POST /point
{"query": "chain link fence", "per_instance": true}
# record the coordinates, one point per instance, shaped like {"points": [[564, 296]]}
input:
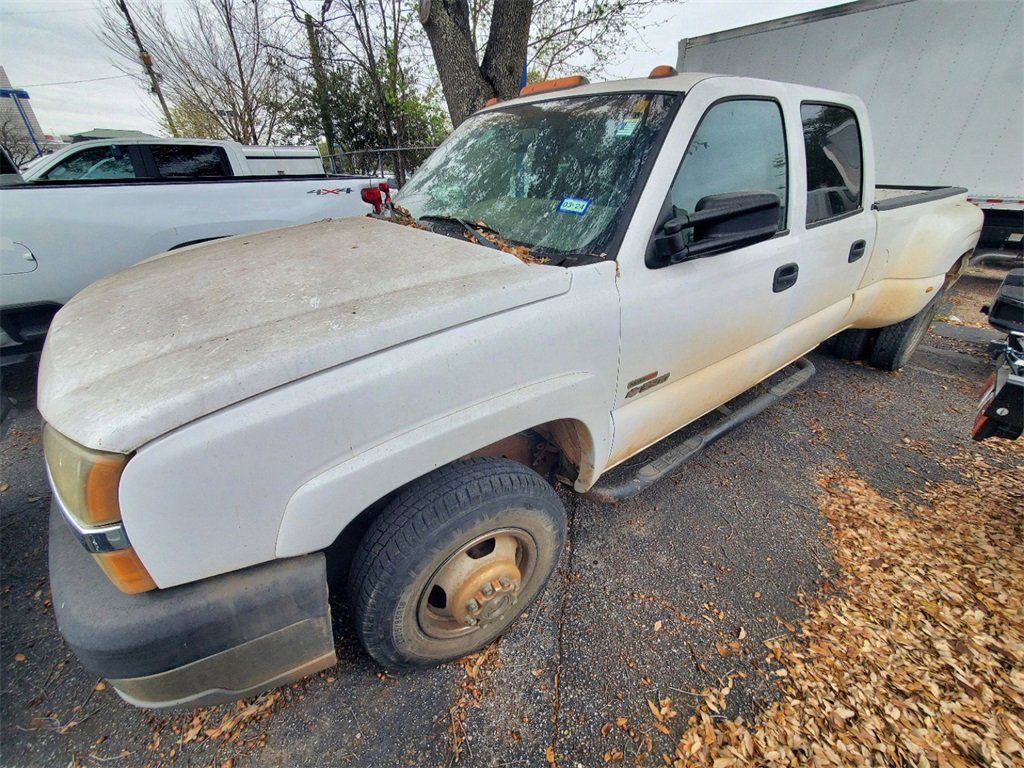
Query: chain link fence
{"points": [[396, 163]]}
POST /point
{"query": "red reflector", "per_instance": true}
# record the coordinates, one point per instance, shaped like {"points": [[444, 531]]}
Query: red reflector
{"points": [[989, 385], [374, 197]]}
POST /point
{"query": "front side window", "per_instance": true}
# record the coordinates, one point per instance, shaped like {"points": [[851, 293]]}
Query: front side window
{"points": [[739, 146], [552, 175], [832, 145], [188, 161], [94, 163]]}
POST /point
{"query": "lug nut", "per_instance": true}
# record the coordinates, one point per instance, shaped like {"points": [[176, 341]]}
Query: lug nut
{"points": [[472, 606], [470, 621], [504, 581], [487, 590]]}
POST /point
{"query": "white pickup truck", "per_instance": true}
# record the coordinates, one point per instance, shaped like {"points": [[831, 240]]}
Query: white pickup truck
{"points": [[98, 207], [573, 275], [155, 158]]}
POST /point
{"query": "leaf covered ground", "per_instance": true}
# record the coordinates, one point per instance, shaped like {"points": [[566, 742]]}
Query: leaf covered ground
{"points": [[918, 657]]}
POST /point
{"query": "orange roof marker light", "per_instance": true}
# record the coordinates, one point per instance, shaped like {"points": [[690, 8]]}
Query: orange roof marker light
{"points": [[491, 101], [558, 84], [662, 70]]}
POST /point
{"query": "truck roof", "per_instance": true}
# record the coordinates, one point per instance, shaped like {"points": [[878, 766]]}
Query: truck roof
{"points": [[674, 84], [279, 151], [679, 83]]}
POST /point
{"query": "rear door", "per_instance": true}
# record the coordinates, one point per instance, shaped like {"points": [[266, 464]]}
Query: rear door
{"points": [[833, 225], [187, 161], [696, 333]]}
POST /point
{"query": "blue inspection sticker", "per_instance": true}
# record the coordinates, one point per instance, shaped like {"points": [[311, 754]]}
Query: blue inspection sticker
{"points": [[577, 206], [627, 127]]}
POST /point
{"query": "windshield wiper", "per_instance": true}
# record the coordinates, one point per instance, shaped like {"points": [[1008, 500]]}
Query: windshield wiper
{"points": [[473, 232]]}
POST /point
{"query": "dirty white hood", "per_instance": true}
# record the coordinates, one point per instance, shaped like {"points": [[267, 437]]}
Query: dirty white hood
{"points": [[147, 350]]}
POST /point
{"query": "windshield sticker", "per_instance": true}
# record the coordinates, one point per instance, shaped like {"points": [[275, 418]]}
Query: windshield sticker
{"points": [[627, 127], [577, 206]]}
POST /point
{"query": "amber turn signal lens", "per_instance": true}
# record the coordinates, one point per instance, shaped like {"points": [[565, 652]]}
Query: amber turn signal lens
{"points": [[662, 70], [101, 503], [124, 568], [553, 85]]}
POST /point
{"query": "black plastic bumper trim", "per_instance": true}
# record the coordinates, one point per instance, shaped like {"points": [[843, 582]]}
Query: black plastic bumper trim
{"points": [[121, 636]]}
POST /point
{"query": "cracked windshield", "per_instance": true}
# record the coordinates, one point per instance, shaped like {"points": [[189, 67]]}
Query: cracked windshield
{"points": [[552, 175]]}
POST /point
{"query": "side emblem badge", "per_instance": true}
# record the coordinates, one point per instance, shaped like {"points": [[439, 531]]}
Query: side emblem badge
{"points": [[648, 381]]}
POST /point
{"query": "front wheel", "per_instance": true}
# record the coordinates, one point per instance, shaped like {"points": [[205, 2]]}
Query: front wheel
{"points": [[453, 560], [895, 344]]}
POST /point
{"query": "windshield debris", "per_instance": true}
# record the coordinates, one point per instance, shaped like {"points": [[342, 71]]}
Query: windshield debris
{"points": [[554, 179], [400, 215]]}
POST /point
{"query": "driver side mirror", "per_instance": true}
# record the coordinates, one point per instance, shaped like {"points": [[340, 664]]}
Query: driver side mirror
{"points": [[720, 223]]}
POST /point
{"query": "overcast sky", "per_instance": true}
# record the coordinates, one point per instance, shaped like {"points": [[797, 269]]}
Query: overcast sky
{"points": [[45, 43]]}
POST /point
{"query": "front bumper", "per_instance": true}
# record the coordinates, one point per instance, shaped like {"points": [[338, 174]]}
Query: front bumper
{"points": [[212, 641]]}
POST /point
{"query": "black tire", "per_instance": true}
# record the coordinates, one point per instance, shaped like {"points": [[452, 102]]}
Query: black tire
{"points": [[851, 344], [895, 344], [417, 535]]}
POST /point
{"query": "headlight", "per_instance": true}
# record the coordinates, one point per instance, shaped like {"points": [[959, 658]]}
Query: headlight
{"points": [[86, 483], [85, 480]]}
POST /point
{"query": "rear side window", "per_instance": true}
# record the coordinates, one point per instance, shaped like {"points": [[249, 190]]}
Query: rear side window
{"points": [[94, 164], [834, 161], [739, 146], [188, 161]]}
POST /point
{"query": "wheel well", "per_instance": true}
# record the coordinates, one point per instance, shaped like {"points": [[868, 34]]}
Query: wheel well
{"points": [[557, 450], [958, 268]]}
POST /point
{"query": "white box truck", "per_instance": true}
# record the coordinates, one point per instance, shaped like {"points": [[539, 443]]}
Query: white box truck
{"points": [[942, 79]]}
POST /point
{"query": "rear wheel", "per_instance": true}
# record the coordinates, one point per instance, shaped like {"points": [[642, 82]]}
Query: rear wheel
{"points": [[895, 344], [453, 560], [851, 344]]}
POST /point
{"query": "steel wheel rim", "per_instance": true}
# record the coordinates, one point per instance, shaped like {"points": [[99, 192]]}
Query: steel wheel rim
{"points": [[462, 576]]}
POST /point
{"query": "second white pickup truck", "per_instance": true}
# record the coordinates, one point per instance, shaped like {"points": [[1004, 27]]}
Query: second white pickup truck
{"points": [[98, 207], [156, 158], [577, 273]]}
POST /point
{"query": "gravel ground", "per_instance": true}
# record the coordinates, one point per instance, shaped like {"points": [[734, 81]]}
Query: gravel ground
{"points": [[646, 600]]}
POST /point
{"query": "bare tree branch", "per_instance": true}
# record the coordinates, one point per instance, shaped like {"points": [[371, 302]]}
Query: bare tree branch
{"points": [[221, 57]]}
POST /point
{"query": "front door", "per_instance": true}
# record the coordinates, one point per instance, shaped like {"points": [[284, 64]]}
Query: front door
{"points": [[697, 333]]}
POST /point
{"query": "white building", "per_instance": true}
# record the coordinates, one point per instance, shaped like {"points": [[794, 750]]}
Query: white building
{"points": [[20, 132]]}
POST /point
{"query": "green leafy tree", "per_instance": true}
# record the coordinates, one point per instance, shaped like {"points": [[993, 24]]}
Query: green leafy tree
{"points": [[359, 81]]}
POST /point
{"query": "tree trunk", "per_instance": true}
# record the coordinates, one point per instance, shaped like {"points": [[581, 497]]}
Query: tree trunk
{"points": [[465, 82], [320, 83], [507, 41]]}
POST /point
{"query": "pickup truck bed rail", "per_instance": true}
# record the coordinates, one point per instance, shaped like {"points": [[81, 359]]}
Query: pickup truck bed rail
{"points": [[888, 197]]}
